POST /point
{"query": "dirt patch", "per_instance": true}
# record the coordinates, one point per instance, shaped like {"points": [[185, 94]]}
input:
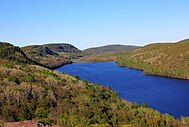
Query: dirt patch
{"points": [[31, 123]]}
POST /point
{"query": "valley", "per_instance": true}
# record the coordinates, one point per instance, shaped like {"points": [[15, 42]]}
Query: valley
{"points": [[31, 90]]}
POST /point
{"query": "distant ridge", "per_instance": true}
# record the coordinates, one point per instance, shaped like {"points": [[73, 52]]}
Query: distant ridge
{"points": [[110, 48]]}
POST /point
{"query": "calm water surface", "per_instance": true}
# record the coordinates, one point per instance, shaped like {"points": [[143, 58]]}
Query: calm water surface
{"points": [[164, 94]]}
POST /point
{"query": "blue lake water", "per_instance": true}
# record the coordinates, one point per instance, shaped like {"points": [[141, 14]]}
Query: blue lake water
{"points": [[167, 95]]}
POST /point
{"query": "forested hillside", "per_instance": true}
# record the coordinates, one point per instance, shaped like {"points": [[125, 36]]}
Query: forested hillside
{"points": [[10, 52], [51, 55], [104, 53], [164, 59], [34, 92], [99, 57], [110, 48]]}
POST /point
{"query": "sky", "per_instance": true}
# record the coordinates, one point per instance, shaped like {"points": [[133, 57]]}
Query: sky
{"points": [[91, 23]]}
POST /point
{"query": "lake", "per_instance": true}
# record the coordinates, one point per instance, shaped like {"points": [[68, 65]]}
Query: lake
{"points": [[166, 95]]}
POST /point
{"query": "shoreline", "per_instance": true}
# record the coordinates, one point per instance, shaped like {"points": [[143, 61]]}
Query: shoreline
{"points": [[144, 73]]}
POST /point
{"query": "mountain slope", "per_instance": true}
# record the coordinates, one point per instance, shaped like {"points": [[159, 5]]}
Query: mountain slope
{"points": [[51, 55], [104, 53], [62, 48], [110, 48], [13, 53], [32, 92], [168, 59]]}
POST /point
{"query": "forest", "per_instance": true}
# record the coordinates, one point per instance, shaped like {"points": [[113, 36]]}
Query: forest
{"points": [[32, 92], [167, 59]]}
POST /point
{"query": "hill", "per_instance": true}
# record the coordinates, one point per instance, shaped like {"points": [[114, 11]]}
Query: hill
{"points": [[13, 53], [104, 53], [51, 55], [99, 57], [62, 48], [110, 48], [164, 59], [33, 92]]}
